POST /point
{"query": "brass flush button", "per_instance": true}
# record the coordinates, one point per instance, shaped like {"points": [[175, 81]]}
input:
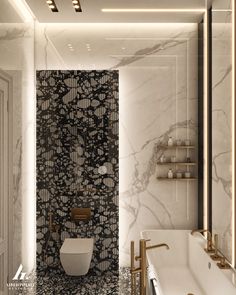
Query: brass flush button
{"points": [[80, 214]]}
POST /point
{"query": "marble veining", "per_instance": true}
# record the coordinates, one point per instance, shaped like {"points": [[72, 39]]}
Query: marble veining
{"points": [[158, 100], [221, 128]]}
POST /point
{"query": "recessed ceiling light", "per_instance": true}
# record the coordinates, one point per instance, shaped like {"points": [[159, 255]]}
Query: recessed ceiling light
{"points": [[150, 10], [52, 5], [76, 5]]}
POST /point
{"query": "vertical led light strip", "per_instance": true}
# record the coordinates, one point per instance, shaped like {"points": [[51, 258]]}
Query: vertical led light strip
{"points": [[206, 123], [22, 9], [233, 137]]}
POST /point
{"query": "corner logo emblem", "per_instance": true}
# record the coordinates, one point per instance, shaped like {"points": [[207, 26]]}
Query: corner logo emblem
{"points": [[21, 280], [20, 275]]}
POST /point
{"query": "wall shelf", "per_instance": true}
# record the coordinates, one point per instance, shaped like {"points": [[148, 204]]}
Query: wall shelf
{"points": [[172, 179], [176, 146], [177, 163]]}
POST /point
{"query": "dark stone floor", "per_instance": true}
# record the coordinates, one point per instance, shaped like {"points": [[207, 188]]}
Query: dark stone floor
{"points": [[87, 285]]}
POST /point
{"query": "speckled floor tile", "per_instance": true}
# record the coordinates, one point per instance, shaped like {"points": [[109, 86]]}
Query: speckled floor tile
{"points": [[87, 285]]}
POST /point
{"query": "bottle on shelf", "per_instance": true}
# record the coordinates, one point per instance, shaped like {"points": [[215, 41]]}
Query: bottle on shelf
{"points": [[178, 174], [170, 173], [162, 159], [170, 141]]}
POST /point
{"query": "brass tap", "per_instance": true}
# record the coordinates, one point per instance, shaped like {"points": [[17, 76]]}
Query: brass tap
{"points": [[133, 270], [209, 248], [158, 246], [216, 255], [223, 264]]}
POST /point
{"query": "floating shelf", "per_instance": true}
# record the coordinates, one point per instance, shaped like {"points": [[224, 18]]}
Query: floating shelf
{"points": [[176, 146], [177, 163], [166, 178]]}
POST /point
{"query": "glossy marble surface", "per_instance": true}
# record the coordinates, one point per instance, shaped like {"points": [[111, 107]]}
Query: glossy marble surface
{"points": [[158, 98], [17, 59], [221, 130]]}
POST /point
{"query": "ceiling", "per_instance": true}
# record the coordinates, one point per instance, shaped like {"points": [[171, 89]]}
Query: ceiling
{"points": [[92, 11], [100, 46], [8, 14]]}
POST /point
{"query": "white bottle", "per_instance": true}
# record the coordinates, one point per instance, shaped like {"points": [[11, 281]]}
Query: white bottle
{"points": [[162, 159], [170, 141], [170, 173]]}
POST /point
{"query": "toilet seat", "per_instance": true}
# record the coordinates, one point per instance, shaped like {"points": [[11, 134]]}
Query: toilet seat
{"points": [[77, 246]]}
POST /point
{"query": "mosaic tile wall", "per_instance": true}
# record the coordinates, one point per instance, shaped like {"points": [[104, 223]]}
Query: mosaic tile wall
{"points": [[77, 164]]}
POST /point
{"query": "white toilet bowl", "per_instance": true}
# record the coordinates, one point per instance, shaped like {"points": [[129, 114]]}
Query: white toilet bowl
{"points": [[76, 255]]}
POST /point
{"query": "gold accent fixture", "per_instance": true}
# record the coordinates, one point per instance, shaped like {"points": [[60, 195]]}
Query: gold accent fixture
{"points": [[209, 248], [132, 269], [80, 214], [223, 264], [142, 269], [158, 246], [216, 255]]}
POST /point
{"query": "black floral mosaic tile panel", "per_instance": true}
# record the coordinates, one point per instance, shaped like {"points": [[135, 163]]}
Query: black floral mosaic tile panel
{"points": [[77, 165]]}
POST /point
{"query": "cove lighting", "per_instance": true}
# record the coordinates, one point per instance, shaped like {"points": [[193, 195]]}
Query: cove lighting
{"points": [[150, 10], [22, 9], [233, 139]]}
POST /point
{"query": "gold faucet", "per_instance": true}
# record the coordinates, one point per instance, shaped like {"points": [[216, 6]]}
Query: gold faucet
{"points": [[216, 255], [223, 264], [142, 269], [209, 248]]}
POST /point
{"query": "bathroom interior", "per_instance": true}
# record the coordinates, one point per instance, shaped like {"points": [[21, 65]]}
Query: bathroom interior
{"points": [[117, 147]]}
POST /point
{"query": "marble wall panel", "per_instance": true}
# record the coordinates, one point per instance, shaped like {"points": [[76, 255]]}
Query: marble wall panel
{"points": [[17, 60], [221, 128], [158, 98]]}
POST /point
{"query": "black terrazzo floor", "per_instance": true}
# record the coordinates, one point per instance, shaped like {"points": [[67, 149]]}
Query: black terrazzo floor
{"points": [[87, 285]]}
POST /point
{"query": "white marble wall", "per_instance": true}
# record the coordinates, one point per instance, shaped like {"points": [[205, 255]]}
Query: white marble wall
{"points": [[17, 59], [158, 98], [221, 130]]}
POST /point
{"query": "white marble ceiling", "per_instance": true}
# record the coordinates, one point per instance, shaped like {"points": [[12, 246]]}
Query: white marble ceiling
{"points": [[92, 11]]}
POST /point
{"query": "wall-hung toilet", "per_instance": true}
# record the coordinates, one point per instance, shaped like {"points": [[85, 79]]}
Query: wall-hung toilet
{"points": [[76, 255]]}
